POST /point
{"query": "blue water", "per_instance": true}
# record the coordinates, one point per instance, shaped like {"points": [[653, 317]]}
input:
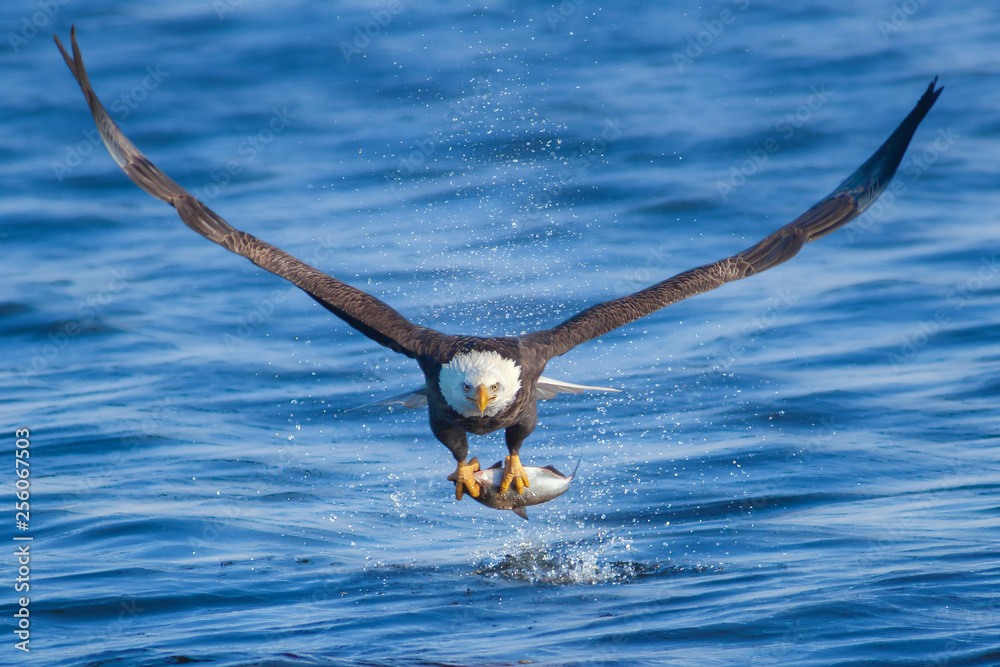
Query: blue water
{"points": [[802, 468]]}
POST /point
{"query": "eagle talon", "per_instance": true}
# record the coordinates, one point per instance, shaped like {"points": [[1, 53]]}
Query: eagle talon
{"points": [[463, 478], [514, 472]]}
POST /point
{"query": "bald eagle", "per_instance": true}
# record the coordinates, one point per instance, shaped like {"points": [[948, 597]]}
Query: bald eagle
{"points": [[480, 385]]}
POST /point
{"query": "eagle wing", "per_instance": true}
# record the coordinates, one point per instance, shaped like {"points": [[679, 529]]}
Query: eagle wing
{"points": [[841, 206], [362, 311]]}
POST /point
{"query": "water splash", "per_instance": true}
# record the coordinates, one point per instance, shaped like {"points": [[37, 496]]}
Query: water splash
{"points": [[565, 562]]}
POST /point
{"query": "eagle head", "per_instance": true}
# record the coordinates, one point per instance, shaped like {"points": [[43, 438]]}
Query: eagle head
{"points": [[480, 384]]}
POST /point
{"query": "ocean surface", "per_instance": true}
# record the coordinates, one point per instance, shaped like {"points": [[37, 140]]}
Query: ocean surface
{"points": [[802, 468]]}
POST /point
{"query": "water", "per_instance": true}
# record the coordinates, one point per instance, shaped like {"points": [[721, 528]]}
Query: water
{"points": [[802, 468]]}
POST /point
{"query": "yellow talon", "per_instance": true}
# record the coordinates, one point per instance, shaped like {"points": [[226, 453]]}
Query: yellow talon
{"points": [[514, 472], [464, 480]]}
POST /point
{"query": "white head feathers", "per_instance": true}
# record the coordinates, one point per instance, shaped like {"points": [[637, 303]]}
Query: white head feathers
{"points": [[478, 384]]}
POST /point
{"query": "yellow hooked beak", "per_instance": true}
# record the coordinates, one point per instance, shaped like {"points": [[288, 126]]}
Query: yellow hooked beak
{"points": [[482, 398]]}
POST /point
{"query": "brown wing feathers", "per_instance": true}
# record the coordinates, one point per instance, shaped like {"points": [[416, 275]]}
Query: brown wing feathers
{"points": [[378, 321], [844, 204], [364, 312]]}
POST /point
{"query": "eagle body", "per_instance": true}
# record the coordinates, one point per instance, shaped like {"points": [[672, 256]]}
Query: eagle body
{"points": [[518, 418], [480, 385]]}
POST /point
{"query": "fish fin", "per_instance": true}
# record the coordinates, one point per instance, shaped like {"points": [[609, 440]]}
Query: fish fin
{"points": [[415, 398], [548, 388], [498, 464], [569, 476], [521, 512]]}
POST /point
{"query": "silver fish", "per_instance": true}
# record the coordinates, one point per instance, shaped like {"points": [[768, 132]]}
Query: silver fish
{"points": [[544, 484]]}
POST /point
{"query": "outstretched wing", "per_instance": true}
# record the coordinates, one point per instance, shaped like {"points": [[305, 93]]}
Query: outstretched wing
{"points": [[844, 204], [545, 388], [362, 311]]}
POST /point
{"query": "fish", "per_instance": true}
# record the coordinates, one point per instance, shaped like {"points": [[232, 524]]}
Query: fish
{"points": [[544, 484]]}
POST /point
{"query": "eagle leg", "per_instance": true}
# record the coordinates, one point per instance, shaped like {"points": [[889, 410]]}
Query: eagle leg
{"points": [[464, 480], [514, 472]]}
